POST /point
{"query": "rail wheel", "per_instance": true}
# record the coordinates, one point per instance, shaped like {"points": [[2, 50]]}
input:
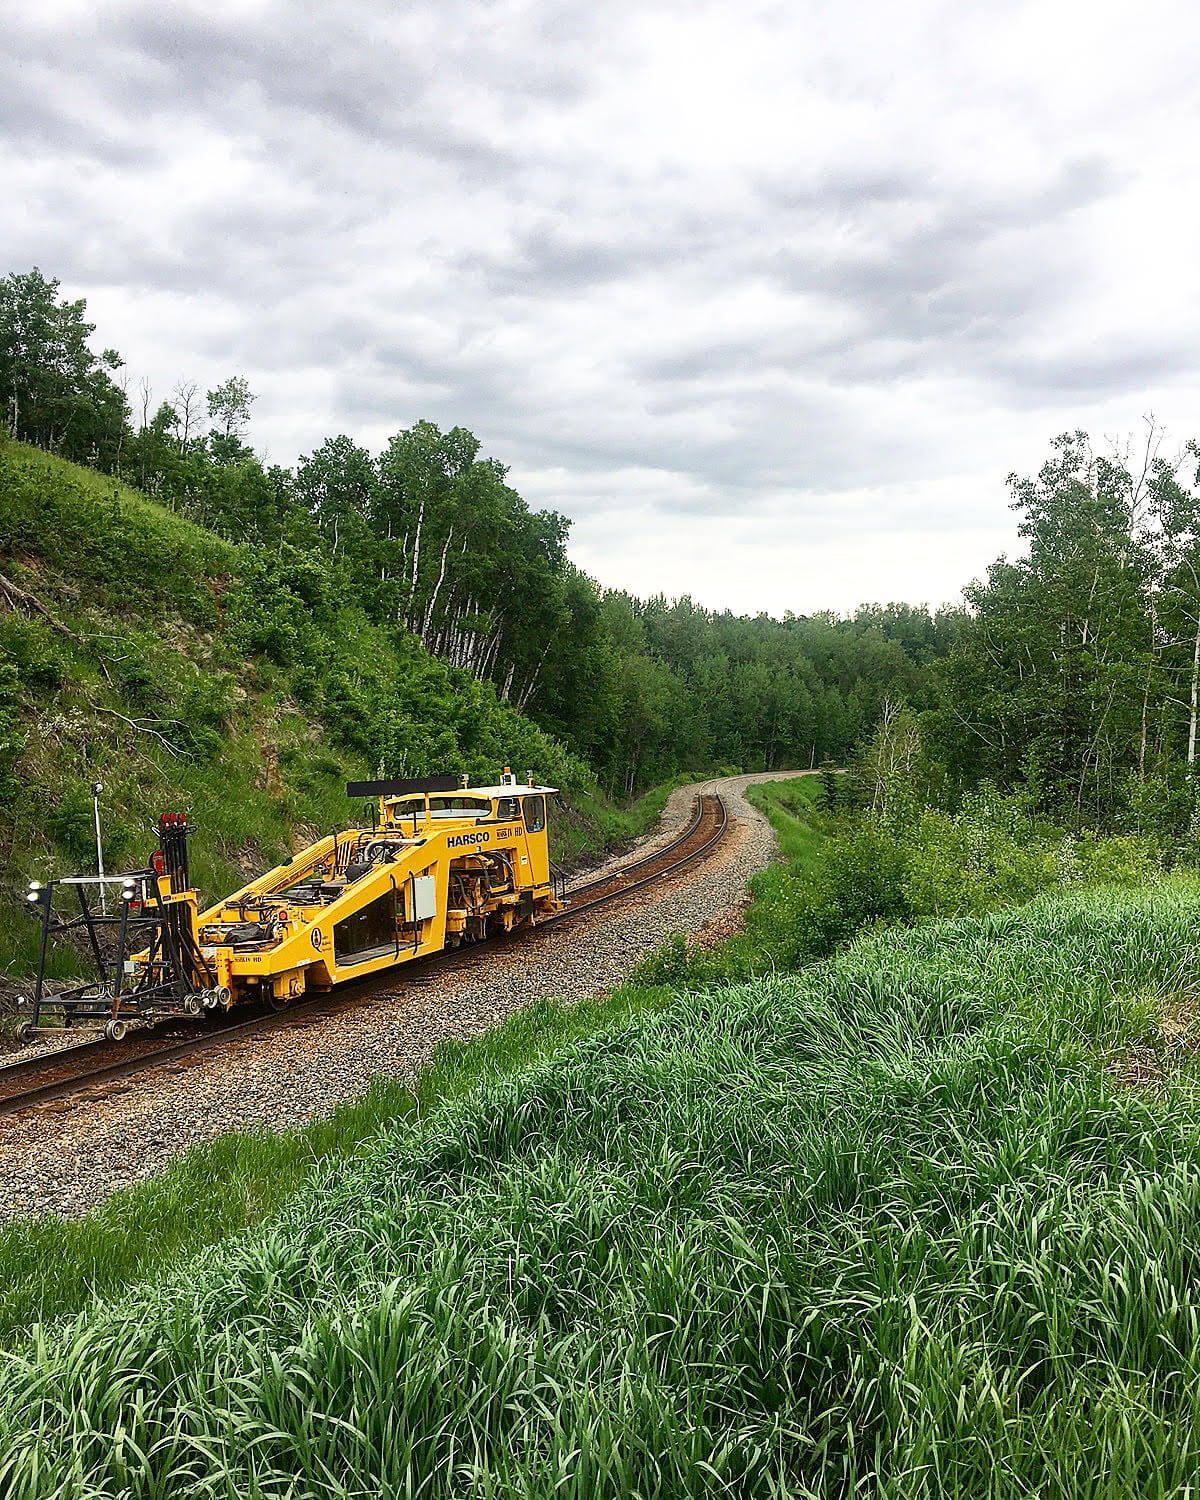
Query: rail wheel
{"points": [[116, 1031]]}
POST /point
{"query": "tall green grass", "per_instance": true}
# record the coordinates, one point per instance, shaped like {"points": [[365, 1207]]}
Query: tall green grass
{"points": [[52, 1266], [889, 1226], [795, 809]]}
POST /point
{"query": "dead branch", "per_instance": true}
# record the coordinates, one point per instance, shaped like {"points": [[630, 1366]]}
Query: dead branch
{"points": [[140, 725], [18, 598]]}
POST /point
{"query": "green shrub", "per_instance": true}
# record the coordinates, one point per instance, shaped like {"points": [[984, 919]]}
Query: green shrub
{"points": [[70, 823], [1128, 859], [35, 651], [679, 966], [926, 865], [864, 879]]}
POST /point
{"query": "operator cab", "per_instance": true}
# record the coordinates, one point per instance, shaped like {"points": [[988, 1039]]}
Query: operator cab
{"points": [[506, 803]]}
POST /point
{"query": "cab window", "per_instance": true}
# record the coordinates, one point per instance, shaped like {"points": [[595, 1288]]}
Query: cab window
{"points": [[506, 809], [535, 813], [458, 807]]}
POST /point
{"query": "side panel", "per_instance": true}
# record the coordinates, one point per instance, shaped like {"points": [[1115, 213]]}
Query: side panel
{"points": [[369, 931], [424, 897]]}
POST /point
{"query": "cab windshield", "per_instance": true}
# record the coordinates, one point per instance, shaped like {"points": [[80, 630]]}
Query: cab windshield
{"points": [[440, 807], [459, 807]]}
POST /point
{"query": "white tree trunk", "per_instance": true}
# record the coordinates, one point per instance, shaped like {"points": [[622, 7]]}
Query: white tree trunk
{"points": [[437, 588], [412, 587]]}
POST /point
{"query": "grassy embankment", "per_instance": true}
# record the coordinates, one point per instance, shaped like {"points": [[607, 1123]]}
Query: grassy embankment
{"points": [[894, 1224], [151, 655], [50, 1266]]}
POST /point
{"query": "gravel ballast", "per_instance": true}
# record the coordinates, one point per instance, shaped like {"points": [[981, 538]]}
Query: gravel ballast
{"points": [[66, 1157]]}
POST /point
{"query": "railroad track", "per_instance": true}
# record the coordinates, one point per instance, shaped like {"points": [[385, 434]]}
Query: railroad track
{"points": [[98, 1064]]}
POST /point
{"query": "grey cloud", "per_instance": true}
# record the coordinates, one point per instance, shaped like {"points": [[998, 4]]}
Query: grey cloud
{"points": [[545, 261], [356, 76], [938, 294], [38, 120], [838, 191], [1062, 379], [921, 285], [481, 213]]}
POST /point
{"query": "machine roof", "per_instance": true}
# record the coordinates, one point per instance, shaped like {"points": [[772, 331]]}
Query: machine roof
{"points": [[522, 790], [510, 791]]}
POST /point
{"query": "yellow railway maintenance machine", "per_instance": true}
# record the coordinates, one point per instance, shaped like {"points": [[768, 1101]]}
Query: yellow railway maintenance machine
{"points": [[444, 864]]}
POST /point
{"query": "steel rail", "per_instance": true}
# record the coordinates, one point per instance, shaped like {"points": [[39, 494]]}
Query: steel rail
{"points": [[578, 908], [669, 848], [217, 1031]]}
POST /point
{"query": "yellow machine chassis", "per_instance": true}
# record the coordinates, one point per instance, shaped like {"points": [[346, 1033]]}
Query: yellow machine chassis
{"points": [[439, 869]]}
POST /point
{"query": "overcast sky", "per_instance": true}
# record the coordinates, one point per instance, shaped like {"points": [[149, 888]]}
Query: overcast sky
{"points": [[767, 298]]}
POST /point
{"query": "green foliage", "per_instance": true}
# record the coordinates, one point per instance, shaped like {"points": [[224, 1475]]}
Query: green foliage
{"points": [[709, 689], [53, 390], [34, 652], [988, 855], [1079, 661], [891, 857], [12, 741], [339, 485], [843, 874], [888, 1226], [281, 606], [1162, 804], [103, 546], [229, 406], [70, 823], [863, 880]]}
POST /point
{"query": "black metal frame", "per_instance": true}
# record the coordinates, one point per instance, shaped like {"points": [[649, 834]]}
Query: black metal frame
{"points": [[151, 920], [174, 970]]}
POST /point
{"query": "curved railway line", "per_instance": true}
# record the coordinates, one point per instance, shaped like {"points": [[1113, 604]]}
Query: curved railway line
{"points": [[98, 1065]]}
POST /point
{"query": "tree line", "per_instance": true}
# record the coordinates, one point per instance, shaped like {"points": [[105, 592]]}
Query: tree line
{"points": [[430, 539], [1073, 672]]}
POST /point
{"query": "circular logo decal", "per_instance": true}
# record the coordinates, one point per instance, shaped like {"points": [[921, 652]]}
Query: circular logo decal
{"points": [[316, 937]]}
